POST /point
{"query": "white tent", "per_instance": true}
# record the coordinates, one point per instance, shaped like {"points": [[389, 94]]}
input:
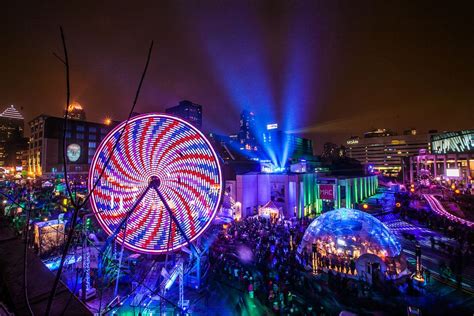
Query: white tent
{"points": [[270, 210], [47, 184]]}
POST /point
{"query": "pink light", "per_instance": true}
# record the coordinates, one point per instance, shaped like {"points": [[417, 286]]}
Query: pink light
{"points": [[438, 208]]}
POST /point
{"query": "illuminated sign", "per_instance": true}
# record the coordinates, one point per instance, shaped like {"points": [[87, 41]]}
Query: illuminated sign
{"points": [[398, 142], [452, 173], [352, 141], [73, 152], [326, 192], [272, 126]]}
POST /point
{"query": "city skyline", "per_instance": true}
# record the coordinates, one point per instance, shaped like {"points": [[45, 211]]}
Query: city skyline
{"points": [[325, 71], [262, 128], [236, 157]]}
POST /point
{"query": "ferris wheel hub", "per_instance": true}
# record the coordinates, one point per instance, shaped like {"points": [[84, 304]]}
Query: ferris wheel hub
{"points": [[154, 182]]}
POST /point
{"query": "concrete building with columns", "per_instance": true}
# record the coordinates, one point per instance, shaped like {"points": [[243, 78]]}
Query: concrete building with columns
{"points": [[300, 194], [451, 157]]}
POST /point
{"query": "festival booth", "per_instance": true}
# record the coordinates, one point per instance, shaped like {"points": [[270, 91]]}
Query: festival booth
{"points": [[47, 184], [49, 235], [270, 210]]}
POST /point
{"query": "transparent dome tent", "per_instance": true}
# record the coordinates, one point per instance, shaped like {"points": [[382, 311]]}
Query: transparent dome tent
{"points": [[347, 234]]}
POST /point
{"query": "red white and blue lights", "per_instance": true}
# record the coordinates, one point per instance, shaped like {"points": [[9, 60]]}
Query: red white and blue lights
{"points": [[162, 146]]}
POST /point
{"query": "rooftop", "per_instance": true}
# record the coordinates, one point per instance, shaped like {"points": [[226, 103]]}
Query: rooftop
{"points": [[11, 112]]}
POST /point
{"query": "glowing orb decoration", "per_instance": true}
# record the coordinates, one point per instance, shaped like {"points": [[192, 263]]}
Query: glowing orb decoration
{"points": [[171, 150], [73, 152]]}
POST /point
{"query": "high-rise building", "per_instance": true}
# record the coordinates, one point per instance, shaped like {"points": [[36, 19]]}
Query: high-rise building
{"points": [[12, 140], [383, 150], [45, 153], [76, 112], [188, 111], [294, 147], [247, 132], [11, 123]]}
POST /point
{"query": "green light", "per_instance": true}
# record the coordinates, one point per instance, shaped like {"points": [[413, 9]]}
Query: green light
{"points": [[356, 194], [366, 189], [88, 224], [338, 196], [348, 196]]}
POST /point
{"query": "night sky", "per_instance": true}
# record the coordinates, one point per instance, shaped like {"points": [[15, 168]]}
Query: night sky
{"points": [[328, 69]]}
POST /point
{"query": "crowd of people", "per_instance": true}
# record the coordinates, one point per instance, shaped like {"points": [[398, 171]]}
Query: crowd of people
{"points": [[260, 254], [36, 202], [42, 202], [330, 261]]}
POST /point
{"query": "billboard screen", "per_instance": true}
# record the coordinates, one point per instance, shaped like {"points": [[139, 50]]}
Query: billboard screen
{"points": [[452, 173], [453, 142]]}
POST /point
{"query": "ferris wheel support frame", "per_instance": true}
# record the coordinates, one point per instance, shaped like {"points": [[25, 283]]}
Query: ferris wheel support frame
{"points": [[154, 184]]}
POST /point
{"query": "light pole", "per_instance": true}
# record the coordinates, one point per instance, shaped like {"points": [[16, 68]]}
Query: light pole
{"points": [[314, 257], [418, 276], [86, 290]]}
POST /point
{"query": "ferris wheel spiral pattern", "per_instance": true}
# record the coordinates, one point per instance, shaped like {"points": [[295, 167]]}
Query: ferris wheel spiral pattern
{"points": [[175, 152]]}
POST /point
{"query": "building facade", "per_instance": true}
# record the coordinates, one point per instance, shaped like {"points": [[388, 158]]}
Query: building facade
{"points": [[454, 166], [188, 111], [299, 195], [383, 151], [45, 152]]}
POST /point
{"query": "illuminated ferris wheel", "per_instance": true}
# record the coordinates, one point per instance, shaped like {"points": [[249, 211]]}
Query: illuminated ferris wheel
{"points": [[162, 186]]}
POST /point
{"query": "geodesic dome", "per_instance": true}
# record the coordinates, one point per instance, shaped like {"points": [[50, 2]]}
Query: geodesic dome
{"points": [[350, 232]]}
